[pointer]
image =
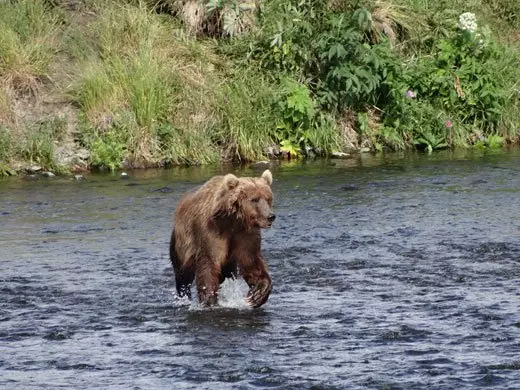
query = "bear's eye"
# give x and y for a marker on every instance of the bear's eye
(255, 200)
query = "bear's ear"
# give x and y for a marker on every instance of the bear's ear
(230, 181)
(267, 176)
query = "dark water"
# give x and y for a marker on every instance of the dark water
(389, 273)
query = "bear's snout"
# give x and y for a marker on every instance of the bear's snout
(270, 218)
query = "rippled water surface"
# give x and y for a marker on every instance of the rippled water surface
(388, 273)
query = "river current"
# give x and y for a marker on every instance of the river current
(389, 272)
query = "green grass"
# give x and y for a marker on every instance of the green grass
(5, 144)
(246, 114)
(127, 85)
(37, 143)
(170, 99)
(29, 37)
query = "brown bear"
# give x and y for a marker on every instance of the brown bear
(216, 235)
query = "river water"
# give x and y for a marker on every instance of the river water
(389, 272)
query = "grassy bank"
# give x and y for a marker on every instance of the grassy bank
(97, 83)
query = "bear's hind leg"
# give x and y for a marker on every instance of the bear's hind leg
(183, 283)
(183, 276)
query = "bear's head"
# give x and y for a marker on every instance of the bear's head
(247, 200)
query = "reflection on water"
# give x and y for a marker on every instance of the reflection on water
(395, 271)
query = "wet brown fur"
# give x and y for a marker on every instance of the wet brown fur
(217, 235)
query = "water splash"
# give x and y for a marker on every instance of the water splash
(232, 294)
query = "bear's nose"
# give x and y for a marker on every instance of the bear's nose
(271, 217)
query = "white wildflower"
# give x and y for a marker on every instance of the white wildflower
(468, 22)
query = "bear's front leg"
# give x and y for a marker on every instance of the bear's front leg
(207, 285)
(252, 267)
(259, 289)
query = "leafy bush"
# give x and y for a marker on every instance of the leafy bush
(345, 57)
(352, 71)
(460, 89)
(463, 76)
(302, 127)
(297, 113)
(108, 151)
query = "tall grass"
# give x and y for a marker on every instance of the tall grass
(127, 85)
(246, 115)
(28, 40)
(170, 99)
(37, 142)
(7, 116)
(5, 144)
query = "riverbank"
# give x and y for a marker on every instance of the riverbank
(95, 84)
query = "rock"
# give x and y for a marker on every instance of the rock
(260, 165)
(310, 152)
(364, 150)
(31, 177)
(83, 154)
(350, 187)
(34, 169)
(67, 156)
(339, 155)
(79, 167)
(125, 175)
(164, 190)
(47, 174)
(272, 151)
(63, 156)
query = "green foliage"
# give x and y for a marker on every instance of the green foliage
(133, 74)
(495, 141)
(297, 113)
(284, 42)
(464, 82)
(331, 51)
(463, 77)
(149, 90)
(353, 72)
(302, 126)
(6, 170)
(342, 55)
(107, 150)
(491, 142)
(35, 145)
